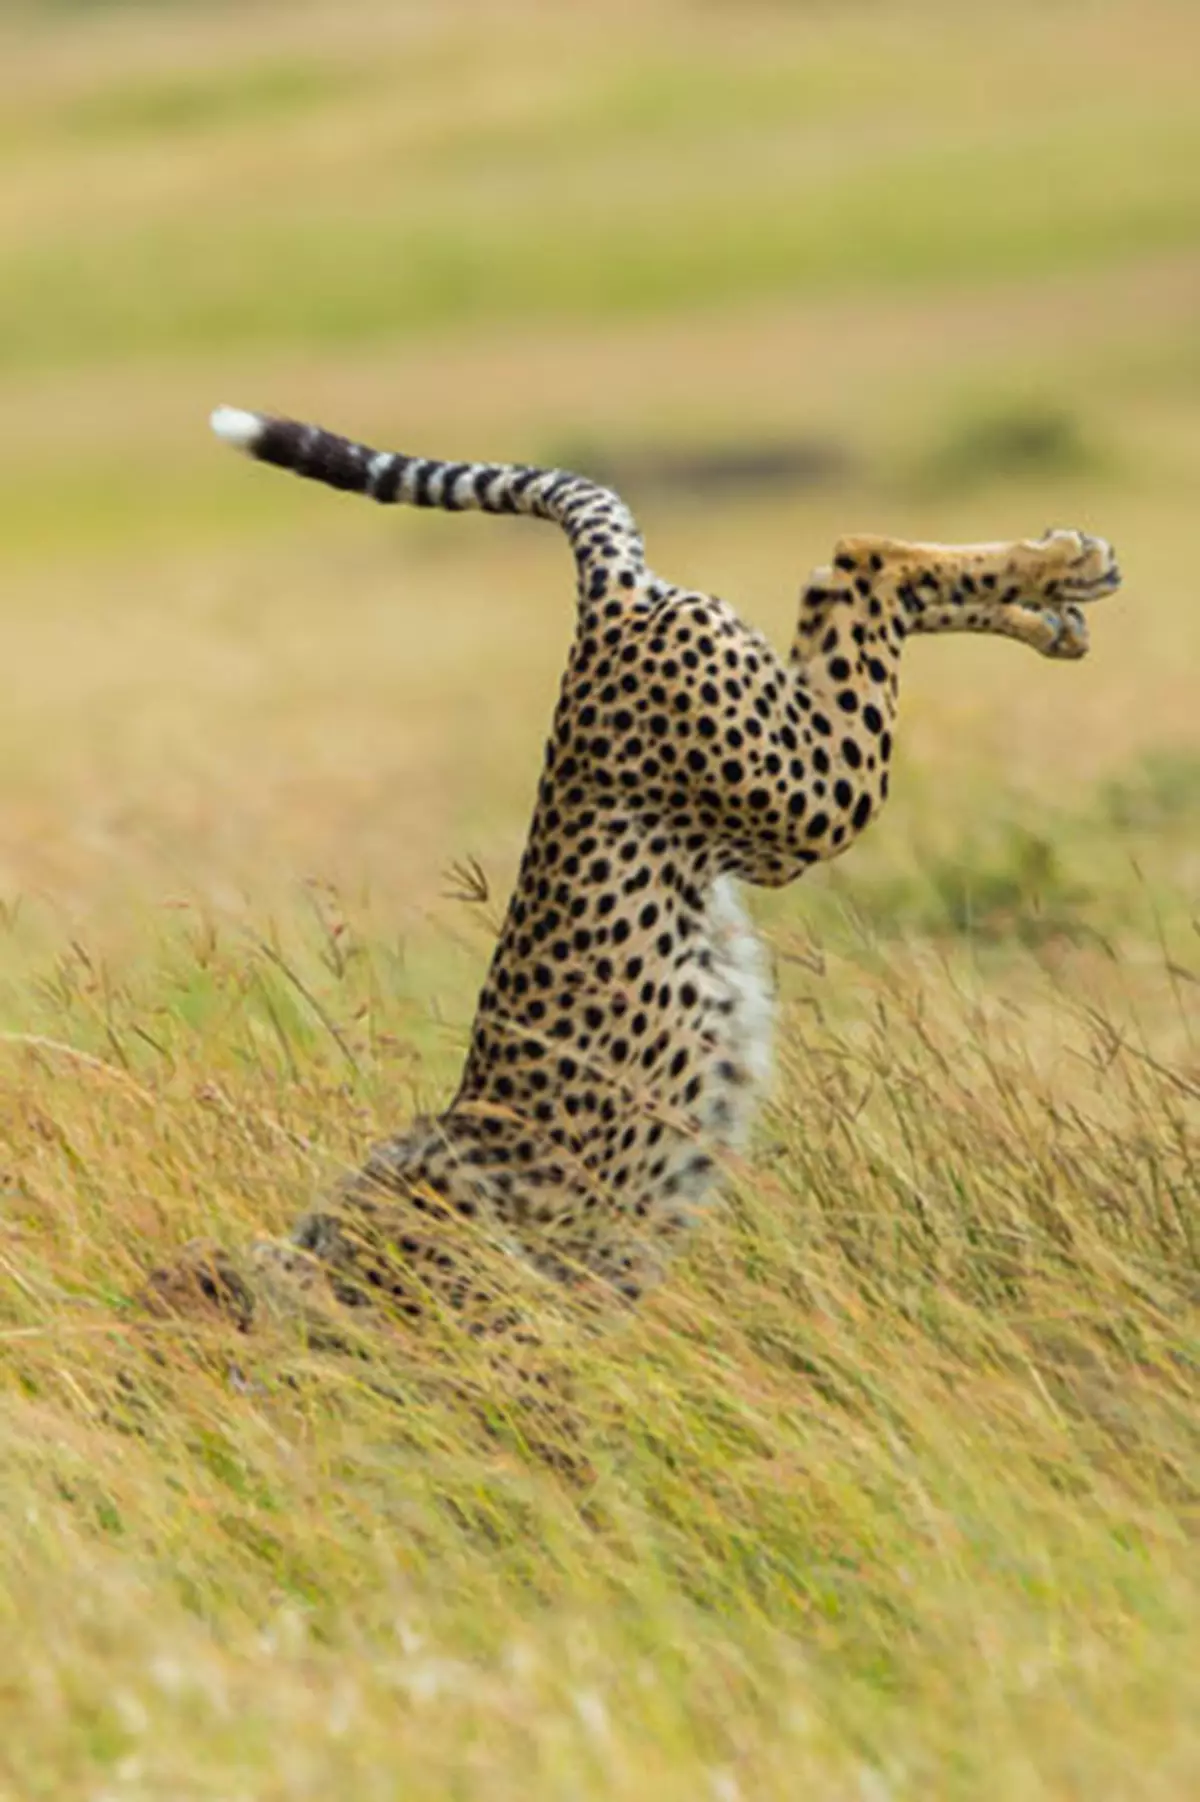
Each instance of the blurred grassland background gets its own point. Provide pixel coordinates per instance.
(896, 1484)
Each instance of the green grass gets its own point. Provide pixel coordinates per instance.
(892, 1492)
(161, 107)
(553, 237)
(914, 1441)
(624, 185)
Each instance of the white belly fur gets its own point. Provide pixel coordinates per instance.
(741, 975)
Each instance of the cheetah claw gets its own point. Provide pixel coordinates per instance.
(1071, 636)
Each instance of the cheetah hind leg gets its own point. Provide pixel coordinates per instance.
(1030, 589)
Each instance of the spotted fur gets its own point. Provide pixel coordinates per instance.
(623, 1031)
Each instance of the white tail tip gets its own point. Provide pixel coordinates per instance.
(242, 430)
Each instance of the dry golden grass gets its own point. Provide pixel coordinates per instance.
(895, 1487)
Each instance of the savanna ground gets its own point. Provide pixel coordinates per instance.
(894, 1488)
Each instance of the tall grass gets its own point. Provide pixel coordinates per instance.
(893, 1490)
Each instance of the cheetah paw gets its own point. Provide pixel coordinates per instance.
(1071, 637)
(1083, 569)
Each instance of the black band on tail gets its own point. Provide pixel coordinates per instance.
(603, 534)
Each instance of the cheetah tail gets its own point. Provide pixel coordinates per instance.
(586, 511)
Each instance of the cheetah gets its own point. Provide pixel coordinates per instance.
(623, 1031)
